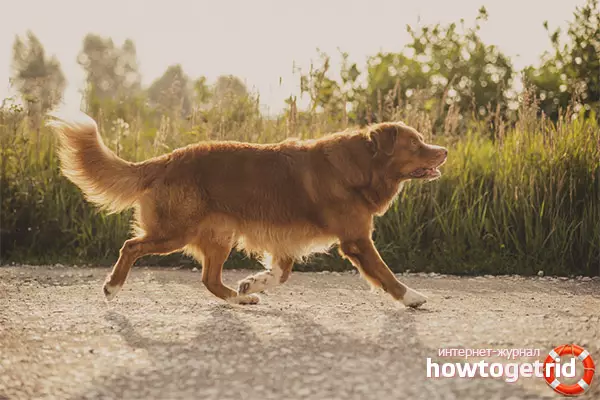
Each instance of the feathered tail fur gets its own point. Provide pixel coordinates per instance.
(106, 180)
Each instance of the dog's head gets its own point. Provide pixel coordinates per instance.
(403, 153)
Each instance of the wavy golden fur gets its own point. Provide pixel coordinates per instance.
(283, 201)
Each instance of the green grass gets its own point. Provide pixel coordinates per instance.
(527, 199)
(529, 204)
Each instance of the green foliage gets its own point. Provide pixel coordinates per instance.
(112, 74)
(451, 67)
(202, 93)
(170, 93)
(450, 63)
(227, 89)
(234, 106)
(38, 79)
(529, 204)
(572, 72)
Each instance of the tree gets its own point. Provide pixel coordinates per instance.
(202, 91)
(38, 79)
(111, 71)
(227, 90)
(572, 71)
(170, 93)
(231, 106)
(448, 65)
(325, 93)
(453, 65)
(231, 99)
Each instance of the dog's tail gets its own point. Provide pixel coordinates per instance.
(106, 180)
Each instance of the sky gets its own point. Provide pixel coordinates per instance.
(261, 41)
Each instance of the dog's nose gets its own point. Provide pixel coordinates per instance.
(444, 152)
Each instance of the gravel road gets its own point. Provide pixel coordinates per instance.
(320, 336)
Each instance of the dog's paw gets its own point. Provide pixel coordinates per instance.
(245, 285)
(256, 283)
(244, 299)
(413, 299)
(110, 291)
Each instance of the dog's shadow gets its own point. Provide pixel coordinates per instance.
(297, 357)
(227, 358)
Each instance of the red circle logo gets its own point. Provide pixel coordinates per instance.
(550, 365)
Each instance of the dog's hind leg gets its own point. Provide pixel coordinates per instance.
(132, 250)
(278, 271)
(212, 254)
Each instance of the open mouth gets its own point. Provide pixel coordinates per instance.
(430, 173)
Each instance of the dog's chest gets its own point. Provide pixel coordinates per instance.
(292, 241)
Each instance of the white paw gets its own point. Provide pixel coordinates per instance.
(414, 299)
(244, 299)
(110, 291)
(256, 283)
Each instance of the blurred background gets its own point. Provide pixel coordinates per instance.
(512, 87)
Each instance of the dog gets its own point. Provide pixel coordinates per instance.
(280, 201)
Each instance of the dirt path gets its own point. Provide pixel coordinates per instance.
(320, 336)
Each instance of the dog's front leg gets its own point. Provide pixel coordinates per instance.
(365, 257)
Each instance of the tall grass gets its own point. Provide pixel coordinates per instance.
(523, 199)
(528, 204)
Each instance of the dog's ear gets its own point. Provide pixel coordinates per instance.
(383, 138)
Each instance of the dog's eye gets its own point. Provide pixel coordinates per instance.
(414, 142)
